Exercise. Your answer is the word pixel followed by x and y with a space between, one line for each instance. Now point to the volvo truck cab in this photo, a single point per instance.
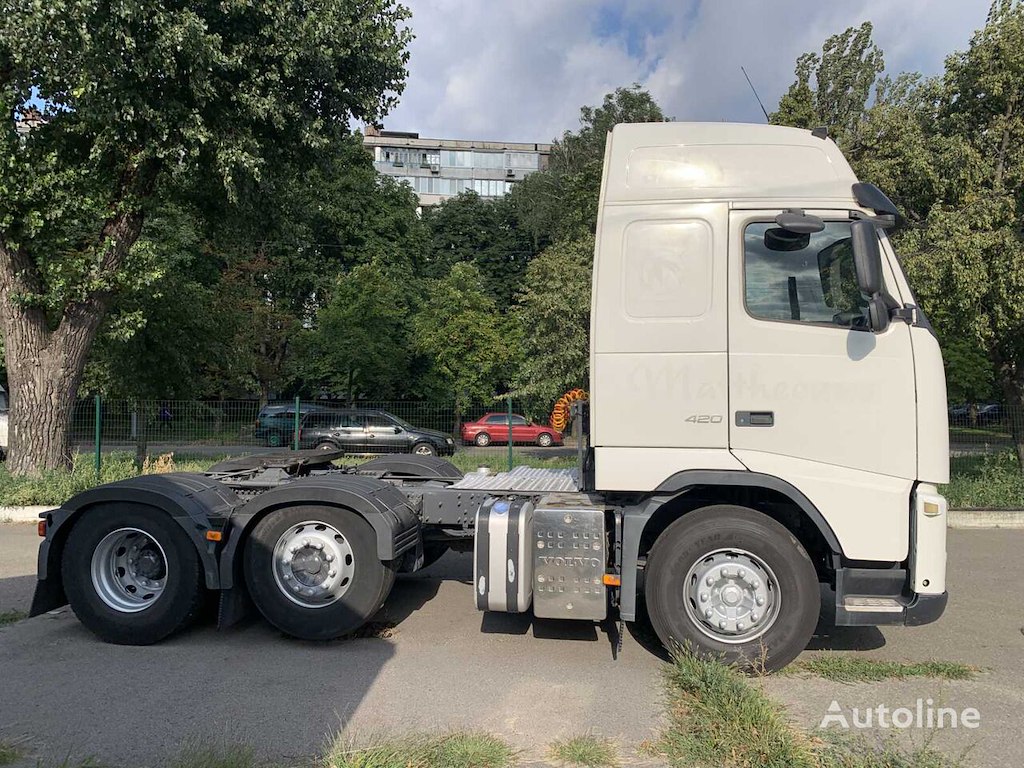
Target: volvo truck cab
pixel 767 416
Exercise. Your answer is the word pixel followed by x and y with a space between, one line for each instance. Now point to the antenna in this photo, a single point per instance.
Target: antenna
pixel 755 94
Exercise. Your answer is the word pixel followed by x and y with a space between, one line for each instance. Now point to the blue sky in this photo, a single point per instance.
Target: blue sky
pixel 519 70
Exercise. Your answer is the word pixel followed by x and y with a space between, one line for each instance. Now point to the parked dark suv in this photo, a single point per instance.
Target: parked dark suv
pixel 370 431
pixel 275 423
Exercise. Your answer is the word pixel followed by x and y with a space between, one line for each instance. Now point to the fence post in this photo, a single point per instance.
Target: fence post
pixel 98 419
pixel 510 433
pixel 297 405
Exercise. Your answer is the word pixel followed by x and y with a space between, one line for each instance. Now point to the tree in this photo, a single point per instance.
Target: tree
pixel 361 343
pixel 553 315
pixel 967 260
pixel 470 228
pixel 469 342
pixel 843 75
pixel 287 241
pixel 136 96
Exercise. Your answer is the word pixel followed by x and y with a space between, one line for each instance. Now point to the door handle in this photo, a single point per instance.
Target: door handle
pixel 755 418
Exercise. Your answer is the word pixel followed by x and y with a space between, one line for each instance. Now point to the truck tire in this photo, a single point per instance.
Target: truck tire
pixel 732 583
pixel 314 572
pixel 132 575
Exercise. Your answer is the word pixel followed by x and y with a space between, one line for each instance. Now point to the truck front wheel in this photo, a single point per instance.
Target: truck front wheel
pixel 314 572
pixel 131 574
pixel 733 583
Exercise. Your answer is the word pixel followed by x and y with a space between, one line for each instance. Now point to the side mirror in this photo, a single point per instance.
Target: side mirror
pixel 867 261
pixel 867 257
pixel 398 430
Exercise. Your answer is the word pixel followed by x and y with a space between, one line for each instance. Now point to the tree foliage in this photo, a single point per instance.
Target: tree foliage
pixel 136 97
pixel 950 151
pixel 843 74
pixel 460 330
pixel 553 317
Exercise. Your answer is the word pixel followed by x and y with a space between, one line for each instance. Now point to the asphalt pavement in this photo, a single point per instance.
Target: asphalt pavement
pixel 448 666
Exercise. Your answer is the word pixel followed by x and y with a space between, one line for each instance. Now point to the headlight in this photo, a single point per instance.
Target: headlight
pixel 449 441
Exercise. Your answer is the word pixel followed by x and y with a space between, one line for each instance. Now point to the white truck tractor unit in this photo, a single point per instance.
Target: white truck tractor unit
pixel 767 414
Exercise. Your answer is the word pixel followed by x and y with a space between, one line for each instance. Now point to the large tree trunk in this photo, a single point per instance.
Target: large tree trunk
pixel 44 370
pixel 45 364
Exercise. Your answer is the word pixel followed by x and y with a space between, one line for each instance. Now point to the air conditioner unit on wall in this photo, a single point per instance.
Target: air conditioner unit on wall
pixel 435 167
pixel 510 172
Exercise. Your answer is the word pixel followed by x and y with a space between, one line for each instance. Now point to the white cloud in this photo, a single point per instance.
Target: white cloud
pixel 519 70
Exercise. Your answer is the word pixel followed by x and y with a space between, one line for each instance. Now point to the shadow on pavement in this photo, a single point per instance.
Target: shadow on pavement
pixel 199 685
pixel 16 593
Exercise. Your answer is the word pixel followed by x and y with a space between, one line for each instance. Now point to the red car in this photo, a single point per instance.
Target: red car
pixel 493 428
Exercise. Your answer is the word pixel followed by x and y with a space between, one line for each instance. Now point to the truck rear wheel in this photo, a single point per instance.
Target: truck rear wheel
pixel 314 572
pixel 731 582
pixel 132 575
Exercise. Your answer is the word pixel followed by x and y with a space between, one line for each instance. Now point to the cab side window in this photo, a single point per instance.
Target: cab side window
pixel 802 278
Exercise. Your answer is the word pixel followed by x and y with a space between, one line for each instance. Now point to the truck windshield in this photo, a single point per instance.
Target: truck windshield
pixel 809 281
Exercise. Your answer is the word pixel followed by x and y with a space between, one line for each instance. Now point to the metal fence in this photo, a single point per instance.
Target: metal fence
pixel 232 427
pixel 237 426
pixel 227 423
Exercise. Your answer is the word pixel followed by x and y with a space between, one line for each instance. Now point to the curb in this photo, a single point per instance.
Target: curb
pixel 23 514
pixel 956 518
pixel 985 518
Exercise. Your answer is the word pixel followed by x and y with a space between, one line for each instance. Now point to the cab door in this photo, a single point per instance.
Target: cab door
pixel 816 398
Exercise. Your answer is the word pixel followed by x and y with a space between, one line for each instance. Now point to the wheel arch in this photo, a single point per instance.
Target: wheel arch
pixel 690 490
pixel 381 504
pixel 197 503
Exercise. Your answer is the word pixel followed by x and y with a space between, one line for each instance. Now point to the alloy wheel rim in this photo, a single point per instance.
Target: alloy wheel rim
pixel 129 570
pixel 314 564
pixel 732 595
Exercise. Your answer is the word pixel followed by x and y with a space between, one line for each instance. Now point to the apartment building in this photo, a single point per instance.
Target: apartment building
pixel 441 168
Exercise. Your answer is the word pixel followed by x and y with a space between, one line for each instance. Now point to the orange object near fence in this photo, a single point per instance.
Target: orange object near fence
pixel 560 413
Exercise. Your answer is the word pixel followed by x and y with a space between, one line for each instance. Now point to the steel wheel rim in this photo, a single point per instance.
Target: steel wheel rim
pixel 129 570
pixel 314 565
pixel 545 441
pixel 423 450
pixel 732 596
pixel 483 439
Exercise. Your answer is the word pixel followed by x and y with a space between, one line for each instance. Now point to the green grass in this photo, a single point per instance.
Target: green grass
pixel 450 750
pixel 211 756
pixel 10 752
pixel 854 669
pixel 586 750
pixel 57 486
pixel 852 752
pixel 718 717
pixel 10 617
pixel 987 481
